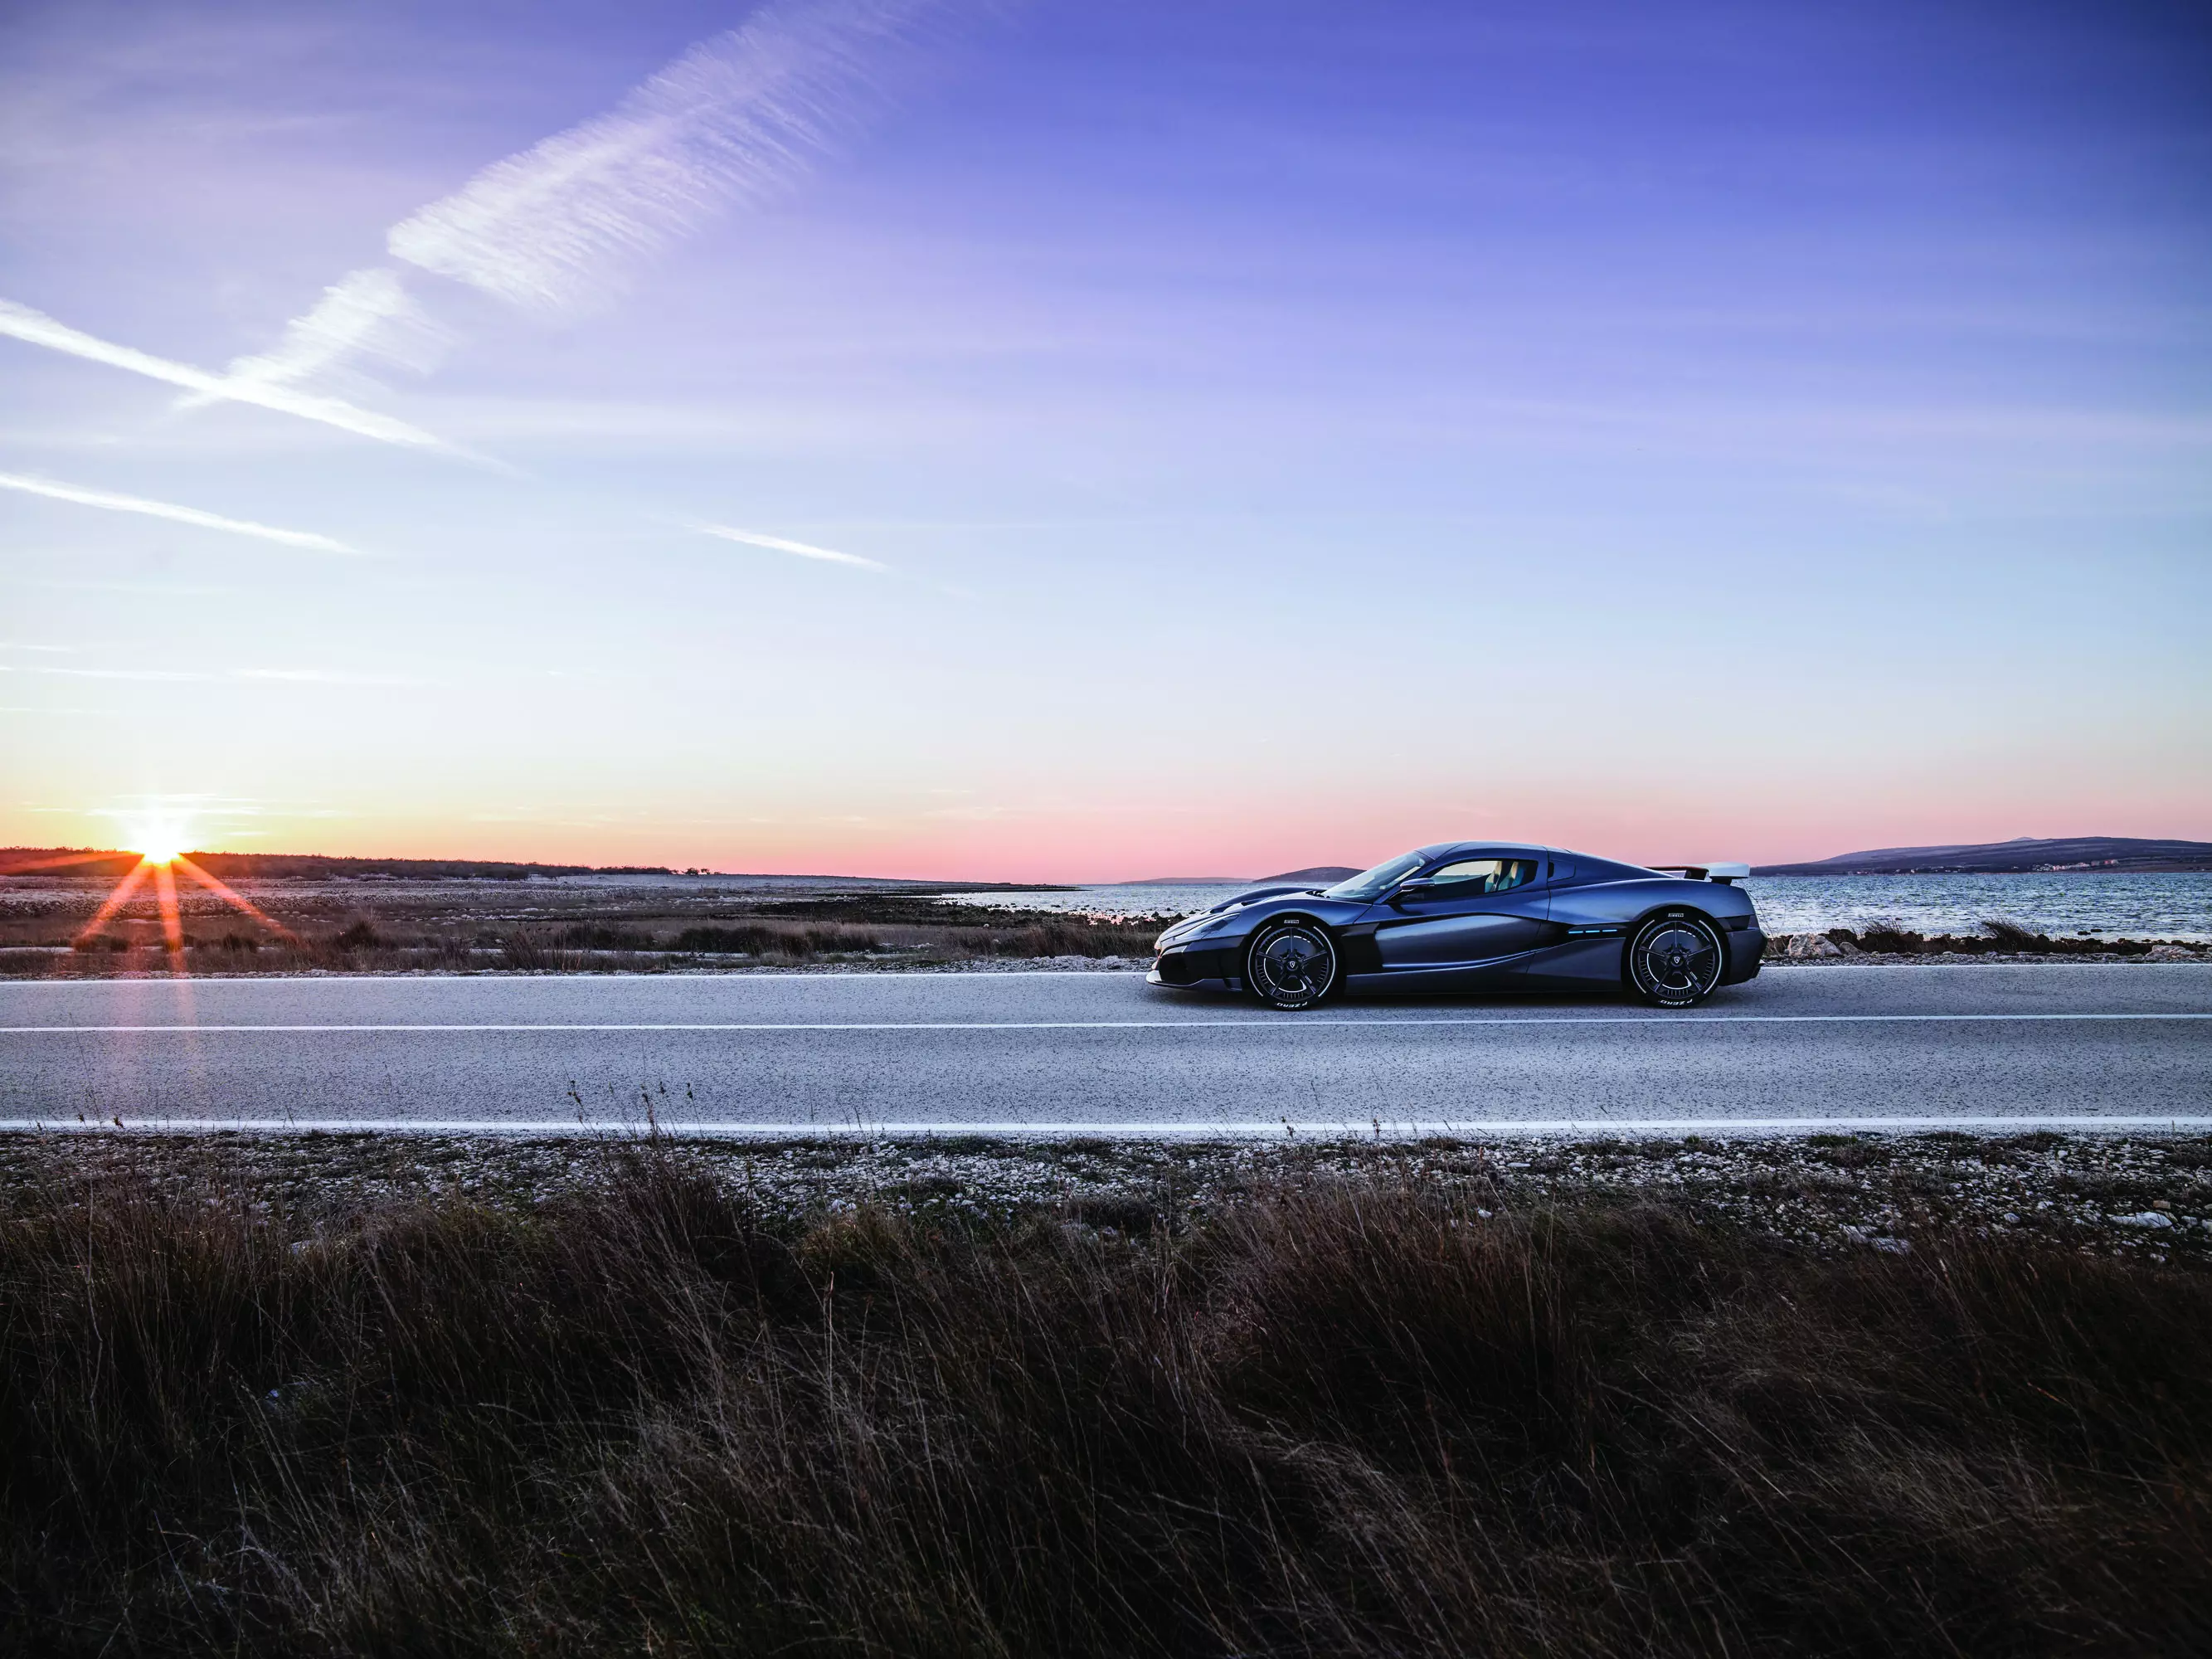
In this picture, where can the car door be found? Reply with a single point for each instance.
(1464, 915)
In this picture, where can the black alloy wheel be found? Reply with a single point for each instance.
(1291, 964)
(1674, 960)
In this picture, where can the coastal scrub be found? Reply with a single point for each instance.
(1360, 1413)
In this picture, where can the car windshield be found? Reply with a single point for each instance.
(1373, 884)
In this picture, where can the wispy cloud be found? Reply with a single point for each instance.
(111, 673)
(322, 676)
(36, 328)
(191, 515)
(367, 311)
(736, 117)
(209, 676)
(777, 543)
(556, 229)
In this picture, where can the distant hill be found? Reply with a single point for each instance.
(278, 867)
(1184, 881)
(1319, 872)
(2010, 857)
(114, 865)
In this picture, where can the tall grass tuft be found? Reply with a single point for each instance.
(532, 951)
(1355, 1419)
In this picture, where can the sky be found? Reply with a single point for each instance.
(1043, 441)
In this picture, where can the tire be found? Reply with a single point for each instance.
(1292, 965)
(1675, 960)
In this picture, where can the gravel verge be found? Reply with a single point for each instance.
(2132, 1195)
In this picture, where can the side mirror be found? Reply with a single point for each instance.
(1417, 887)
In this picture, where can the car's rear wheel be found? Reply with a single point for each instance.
(1675, 961)
(1293, 964)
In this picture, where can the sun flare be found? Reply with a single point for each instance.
(162, 857)
(157, 841)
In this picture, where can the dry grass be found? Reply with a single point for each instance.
(1354, 1419)
(477, 926)
(366, 946)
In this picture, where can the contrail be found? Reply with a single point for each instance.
(36, 328)
(736, 117)
(555, 229)
(191, 515)
(366, 310)
(778, 543)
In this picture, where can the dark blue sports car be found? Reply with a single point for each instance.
(1476, 916)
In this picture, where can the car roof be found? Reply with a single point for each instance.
(1478, 848)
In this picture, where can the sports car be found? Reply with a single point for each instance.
(1476, 916)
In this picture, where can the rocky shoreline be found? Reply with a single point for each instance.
(1995, 941)
(2163, 953)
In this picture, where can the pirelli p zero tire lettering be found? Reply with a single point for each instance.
(1675, 959)
(1293, 964)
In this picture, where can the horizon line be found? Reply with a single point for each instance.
(557, 868)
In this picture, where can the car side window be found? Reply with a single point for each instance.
(1471, 876)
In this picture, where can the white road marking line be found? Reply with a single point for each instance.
(1257, 1023)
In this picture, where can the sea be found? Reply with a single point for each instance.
(2068, 904)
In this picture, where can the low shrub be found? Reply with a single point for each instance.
(774, 938)
(1344, 1419)
(528, 950)
(603, 936)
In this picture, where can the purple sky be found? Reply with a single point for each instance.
(1244, 436)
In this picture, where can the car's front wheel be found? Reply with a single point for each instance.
(1675, 961)
(1293, 964)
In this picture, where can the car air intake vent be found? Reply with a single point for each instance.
(1188, 967)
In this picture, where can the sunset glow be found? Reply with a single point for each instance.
(160, 846)
(653, 440)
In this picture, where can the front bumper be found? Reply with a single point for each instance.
(1207, 967)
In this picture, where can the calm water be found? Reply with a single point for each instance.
(2097, 905)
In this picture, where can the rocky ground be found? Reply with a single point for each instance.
(2133, 1194)
(1942, 958)
(1999, 942)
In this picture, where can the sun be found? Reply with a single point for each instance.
(160, 849)
(158, 838)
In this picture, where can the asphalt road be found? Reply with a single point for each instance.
(1955, 1043)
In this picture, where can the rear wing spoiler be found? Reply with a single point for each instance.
(1723, 873)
